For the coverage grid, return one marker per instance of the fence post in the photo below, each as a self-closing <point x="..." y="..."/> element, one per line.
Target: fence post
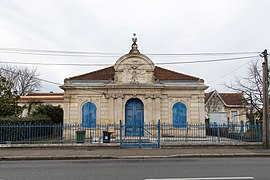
<point x="140" y="135"/>
<point x="158" y="126"/>
<point x="218" y="131"/>
<point x="61" y="127"/>
<point x="121" y="135"/>
<point x="1" y="134"/>
<point x="90" y="135"/>
<point x="259" y="126"/>
<point x="241" y="130"/>
<point x="29" y="132"/>
<point x="186" y="135"/>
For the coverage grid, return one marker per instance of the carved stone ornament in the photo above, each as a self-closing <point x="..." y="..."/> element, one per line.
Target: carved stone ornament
<point x="134" y="67"/>
<point x="134" y="71"/>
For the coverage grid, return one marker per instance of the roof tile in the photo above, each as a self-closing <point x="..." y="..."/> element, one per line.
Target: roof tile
<point x="109" y="72"/>
<point x="165" y="74"/>
<point x="233" y="98"/>
<point x="102" y="74"/>
<point x="230" y="99"/>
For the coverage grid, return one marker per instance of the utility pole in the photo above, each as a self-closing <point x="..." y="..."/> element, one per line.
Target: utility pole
<point x="265" y="101"/>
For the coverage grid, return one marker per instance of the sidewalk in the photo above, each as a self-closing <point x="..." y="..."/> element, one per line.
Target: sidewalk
<point x="42" y="152"/>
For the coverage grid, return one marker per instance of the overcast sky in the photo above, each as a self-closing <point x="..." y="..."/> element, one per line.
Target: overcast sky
<point x="168" y="26"/>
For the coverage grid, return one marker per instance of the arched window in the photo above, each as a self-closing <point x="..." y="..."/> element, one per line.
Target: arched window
<point x="179" y="115"/>
<point x="89" y="115"/>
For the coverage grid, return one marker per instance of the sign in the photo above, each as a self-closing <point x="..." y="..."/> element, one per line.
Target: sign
<point x="218" y="118"/>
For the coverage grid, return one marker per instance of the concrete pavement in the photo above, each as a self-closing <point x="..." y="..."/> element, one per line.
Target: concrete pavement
<point x="108" y="151"/>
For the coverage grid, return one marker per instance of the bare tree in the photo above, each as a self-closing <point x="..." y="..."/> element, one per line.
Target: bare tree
<point x="251" y="86"/>
<point x="25" y="80"/>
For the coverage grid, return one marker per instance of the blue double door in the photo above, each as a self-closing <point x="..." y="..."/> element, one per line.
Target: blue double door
<point x="134" y="119"/>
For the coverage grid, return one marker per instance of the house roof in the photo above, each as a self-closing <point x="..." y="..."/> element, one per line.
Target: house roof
<point x="165" y="74"/>
<point x="43" y="96"/>
<point x="102" y="74"/>
<point x="229" y="99"/>
<point x="233" y="98"/>
<point x="109" y="72"/>
<point x="207" y="96"/>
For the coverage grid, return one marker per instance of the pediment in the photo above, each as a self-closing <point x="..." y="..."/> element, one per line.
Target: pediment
<point x="134" y="69"/>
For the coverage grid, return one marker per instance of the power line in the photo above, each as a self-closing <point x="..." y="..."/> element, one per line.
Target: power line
<point x="53" y="64"/>
<point x="55" y="51"/>
<point x="203" y="53"/>
<point x="211" y="60"/>
<point x="69" y="55"/>
<point x="107" y="54"/>
<point x="51" y="82"/>
<point x="230" y="72"/>
<point x="161" y="63"/>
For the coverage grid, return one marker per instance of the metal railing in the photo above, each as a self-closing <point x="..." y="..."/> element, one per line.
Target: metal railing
<point x="147" y="135"/>
<point x="57" y="133"/>
<point x="115" y="133"/>
<point x="212" y="133"/>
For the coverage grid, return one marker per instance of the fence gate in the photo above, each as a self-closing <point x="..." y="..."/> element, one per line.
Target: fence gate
<point x="148" y="136"/>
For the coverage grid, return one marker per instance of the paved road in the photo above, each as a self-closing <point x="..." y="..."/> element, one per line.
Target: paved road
<point x="136" y="169"/>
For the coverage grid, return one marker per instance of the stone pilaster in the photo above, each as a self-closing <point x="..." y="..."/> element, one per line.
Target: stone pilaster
<point x="165" y="108"/>
<point x="157" y="105"/>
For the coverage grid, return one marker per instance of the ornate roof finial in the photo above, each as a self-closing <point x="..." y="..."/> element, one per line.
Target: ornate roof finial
<point x="134" y="46"/>
<point x="134" y="39"/>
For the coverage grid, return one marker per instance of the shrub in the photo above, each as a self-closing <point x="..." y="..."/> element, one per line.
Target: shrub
<point x="55" y="113"/>
<point x="38" y="119"/>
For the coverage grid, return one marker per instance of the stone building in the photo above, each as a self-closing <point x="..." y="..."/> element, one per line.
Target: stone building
<point x="31" y="100"/>
<point x="135" y="91"/>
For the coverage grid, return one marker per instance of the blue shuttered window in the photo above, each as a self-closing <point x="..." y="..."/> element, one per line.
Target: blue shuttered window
<point x="179" y="115"/>
<point x="89" y="115"/>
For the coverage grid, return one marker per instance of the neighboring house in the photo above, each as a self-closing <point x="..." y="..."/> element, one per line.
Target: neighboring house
<point x="233" y="104"/>
<point x="135" y="91"/>
<point x="32" y="99"/>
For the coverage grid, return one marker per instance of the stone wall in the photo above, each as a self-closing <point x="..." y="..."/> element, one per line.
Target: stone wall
<point x="157" y="103"/>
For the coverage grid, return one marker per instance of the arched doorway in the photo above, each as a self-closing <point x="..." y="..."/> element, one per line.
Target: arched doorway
<point x="134" y="118"/>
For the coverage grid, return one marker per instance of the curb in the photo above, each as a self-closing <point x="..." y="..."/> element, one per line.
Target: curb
<point x="104" y="145"/>
<point x="92" y="157"/>
<point x="116" y="145"/>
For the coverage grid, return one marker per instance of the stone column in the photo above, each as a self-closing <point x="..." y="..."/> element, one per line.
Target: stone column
<point x="153" y="108"/>
<point x="194" y="109"/>
<point x="165" y="109"/>
<point x="157" y="109"/>
<point x="66" y="109"/>
<point x="119" y="108"/>
<point x="201" y="109"/>
<point x="148" y="109"/>
<point x="115" y="108"/>
<point x="111" y="109"/>
<point x="104" y="110"/>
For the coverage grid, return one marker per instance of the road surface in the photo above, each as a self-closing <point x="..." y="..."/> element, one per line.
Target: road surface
<point x="199" y="168"/>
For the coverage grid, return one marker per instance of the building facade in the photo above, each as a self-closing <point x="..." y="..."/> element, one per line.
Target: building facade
<point x="31" y="100"/>
<point x="135" y="91"/>
<point x="234" y="105"/>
